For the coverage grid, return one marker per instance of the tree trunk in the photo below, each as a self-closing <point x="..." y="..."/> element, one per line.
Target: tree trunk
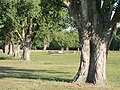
<point x="10" y="48"/>
<point x="67" y="48"/>
<point x="62" y="49"/>
<point x="45" y="47"/>
<point x="27" y="43"/>
<point x="97" y="67"/>
<point x="5" y="49"/>
<point x="16" y="50"/>
<point x="96" y="29"/>
<point x="93" y="63"/>
<point x="82" y="73"/>
<point x="26" y="48"/>
<point x="26" y="53"/>
<point x="83" y="28"/>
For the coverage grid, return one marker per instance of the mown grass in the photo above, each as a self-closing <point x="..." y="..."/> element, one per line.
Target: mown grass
<point x="52" y="72"/>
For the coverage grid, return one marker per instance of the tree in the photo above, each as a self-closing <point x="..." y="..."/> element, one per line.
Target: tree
<point x="73" y="39"/>
<point x="96" y="21"/>
<point x="60" y="40"/>
<point x="20" y="23"/>
<point x="28" y="25"/>
<point x="54" y="20"/>
<point x="8" y="25"/>
<point x="65" y="40"/>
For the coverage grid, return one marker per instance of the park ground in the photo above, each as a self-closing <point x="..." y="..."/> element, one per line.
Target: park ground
<point x="52" y="72"/>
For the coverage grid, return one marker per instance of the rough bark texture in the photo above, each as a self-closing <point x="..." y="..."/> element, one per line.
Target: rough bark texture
<point x="97" y="67"/>
<point x="82" y="73"/>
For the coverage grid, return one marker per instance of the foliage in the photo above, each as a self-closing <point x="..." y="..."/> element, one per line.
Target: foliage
<point x="65" y="39"/>
<point x="7" y="18"/>
<point x="115" y="44"/>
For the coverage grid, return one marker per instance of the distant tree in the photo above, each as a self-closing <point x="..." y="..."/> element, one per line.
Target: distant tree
<point x="115" y="44"/>
<point x="74" y="39"/>
<point x="20" y="24"/>
<point x="7" y="17"/>
<point x="66" y="40"/>
<point x="27" y="13"/>
<point x="52" y="22"/>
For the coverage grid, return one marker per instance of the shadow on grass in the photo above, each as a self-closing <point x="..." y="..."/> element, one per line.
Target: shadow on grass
<point x="11" y="72"/>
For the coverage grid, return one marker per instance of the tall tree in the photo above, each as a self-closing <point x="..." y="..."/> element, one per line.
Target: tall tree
<point x="7" y="24"/>
<point x="28" y="23"/>
<point x="20" y="23"/>
<point x="96" y="21"/>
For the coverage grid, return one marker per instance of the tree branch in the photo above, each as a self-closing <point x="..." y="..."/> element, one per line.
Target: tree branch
<point x="116" y="17"/>
<point x="19" y="35"/>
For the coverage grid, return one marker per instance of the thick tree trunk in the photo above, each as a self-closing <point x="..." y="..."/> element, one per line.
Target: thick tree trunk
<point x="26" y="53"/>
<point x="96" y="33"/>
<point x="97" y="67"/>
<point x="26" y="49"/>
<point x="93" y="51"/>
<point x="93" y="63"/>
<point x="83" y="28"/>
<point x="82" y="73"/>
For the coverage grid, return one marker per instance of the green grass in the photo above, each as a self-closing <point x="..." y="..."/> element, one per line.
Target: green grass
<point x="51" y="72"/>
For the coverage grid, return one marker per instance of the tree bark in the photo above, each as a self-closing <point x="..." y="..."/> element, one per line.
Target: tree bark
<point x="82" y="73"/>
<point x="10" y="48"/>
<point x="16" y="50"/>
<point x="27" y="41"/>
<point x="26" y="48"/>
<point x="97" y="67"/>
<point x="5" y="49"/>
<point x="26" y="53"/>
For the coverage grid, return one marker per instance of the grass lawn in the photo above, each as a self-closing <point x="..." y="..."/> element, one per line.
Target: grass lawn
<point x="52" y="72"/>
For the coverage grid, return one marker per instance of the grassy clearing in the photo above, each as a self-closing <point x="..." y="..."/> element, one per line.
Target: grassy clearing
<point x="51" y="72"/>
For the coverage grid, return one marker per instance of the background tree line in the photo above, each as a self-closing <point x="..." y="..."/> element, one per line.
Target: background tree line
<point x="48" y="37"/>
<point x="28" y="25"/>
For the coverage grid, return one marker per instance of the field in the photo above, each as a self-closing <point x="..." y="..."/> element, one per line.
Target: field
<point x="52" y="72"/>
